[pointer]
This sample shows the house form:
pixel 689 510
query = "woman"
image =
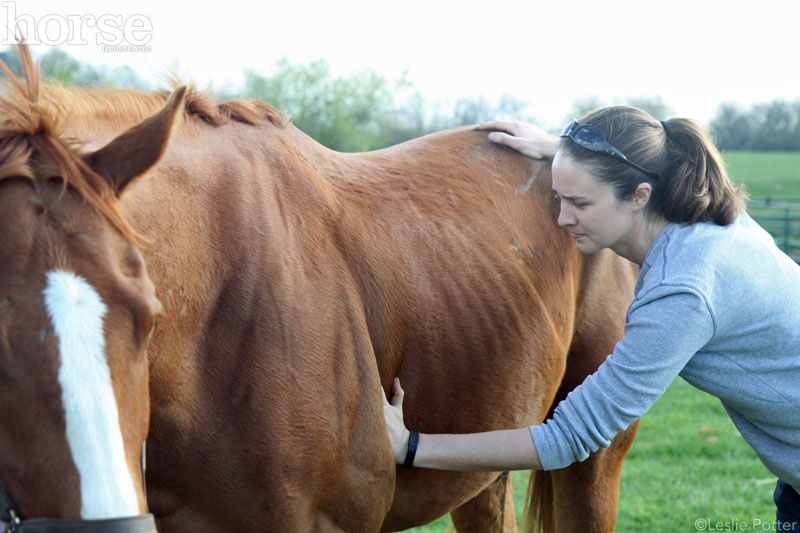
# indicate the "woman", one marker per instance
pixel 715 302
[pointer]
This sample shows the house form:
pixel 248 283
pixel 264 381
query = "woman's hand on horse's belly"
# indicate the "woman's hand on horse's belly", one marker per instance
pixel 527 139
pixel 393 414
pixel 510 449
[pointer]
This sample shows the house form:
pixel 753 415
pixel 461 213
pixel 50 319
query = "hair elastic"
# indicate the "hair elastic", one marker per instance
pixel 667 129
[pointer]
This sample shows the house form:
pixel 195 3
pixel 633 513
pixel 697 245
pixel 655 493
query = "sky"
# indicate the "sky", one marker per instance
pixel 694 54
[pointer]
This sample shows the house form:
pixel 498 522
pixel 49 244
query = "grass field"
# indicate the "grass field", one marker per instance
pixel 773 179
pixel 773 175
pixel 689 466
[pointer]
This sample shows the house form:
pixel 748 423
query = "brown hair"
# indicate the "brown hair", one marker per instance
pixel 693 185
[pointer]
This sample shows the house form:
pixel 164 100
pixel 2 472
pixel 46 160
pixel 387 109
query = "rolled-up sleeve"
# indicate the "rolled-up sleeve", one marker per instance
pixel 663 331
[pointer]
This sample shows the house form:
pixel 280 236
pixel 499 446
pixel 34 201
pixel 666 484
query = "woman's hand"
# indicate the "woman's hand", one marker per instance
pixel 525 138
pixel 393 414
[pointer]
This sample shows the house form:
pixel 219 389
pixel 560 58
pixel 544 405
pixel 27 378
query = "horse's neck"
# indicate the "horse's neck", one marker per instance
pixel 94 132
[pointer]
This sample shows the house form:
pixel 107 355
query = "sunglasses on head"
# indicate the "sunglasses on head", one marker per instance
pixel 593 139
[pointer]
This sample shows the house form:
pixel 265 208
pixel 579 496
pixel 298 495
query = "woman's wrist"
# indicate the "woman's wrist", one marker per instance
pixel 550 147
pixel 400 448
pixel 411 449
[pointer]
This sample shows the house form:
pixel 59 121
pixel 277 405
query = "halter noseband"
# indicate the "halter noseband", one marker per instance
pixel 11 521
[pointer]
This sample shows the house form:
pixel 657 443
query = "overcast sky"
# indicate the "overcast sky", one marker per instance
pixel 694 54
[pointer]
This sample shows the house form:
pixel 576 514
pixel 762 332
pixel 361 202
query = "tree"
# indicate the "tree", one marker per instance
pixel 776 120
pixel 795 135
pixel 732 128
pixel 764 126
pixel 347 113
pixel 467 111
pixel 582 106
pixel 364 111
pixel 654 105
pixel 476 110
pixel 59 66
pixel 11 59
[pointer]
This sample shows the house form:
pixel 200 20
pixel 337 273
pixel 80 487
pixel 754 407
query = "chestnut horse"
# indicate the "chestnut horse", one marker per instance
pixel 76 311
pixel 297 282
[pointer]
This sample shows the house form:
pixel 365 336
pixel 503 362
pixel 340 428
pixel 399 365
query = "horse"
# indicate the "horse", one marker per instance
pixel 298 281
pixel 76 310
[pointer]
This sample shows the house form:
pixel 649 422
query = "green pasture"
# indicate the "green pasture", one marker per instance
pixel 689 469
pixel 773 181
pixel 773 175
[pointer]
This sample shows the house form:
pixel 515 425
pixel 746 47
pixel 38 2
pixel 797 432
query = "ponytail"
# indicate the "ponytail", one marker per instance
pixel 696 186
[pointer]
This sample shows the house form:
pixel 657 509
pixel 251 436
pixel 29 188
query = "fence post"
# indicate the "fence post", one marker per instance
pixel 787 230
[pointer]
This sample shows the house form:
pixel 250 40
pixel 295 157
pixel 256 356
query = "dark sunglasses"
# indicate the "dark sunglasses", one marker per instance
pixel 593 139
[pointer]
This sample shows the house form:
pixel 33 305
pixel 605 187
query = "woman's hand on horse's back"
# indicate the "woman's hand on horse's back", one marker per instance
pixel 393 414
pixel 527 139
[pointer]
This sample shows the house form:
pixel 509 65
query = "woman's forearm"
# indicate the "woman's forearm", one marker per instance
pixel 510 449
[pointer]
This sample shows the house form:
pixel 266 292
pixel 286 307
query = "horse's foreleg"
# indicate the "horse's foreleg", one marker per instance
pixel 583 497
pixel 585 494
pixel 492 510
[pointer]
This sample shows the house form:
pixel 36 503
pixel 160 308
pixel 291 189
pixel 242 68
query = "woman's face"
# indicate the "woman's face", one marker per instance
pixel 595 217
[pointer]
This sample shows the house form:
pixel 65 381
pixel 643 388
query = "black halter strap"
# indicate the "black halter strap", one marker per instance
pixel 9 514
pixel 12 522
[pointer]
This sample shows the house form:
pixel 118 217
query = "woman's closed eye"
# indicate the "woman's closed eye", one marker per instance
pixel 577 204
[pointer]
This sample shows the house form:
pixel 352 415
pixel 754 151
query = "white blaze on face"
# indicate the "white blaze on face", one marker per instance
pixel 90 407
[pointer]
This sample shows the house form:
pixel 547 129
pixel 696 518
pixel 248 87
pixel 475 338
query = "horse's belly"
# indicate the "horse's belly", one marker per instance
pixel 422 495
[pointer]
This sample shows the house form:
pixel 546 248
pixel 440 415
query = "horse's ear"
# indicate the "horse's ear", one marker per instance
pixel 136 150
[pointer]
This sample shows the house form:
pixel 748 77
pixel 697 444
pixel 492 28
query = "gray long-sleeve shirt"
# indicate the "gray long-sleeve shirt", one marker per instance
pixel 718 305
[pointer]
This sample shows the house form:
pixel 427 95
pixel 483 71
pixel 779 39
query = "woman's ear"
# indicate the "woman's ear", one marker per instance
pixel 641 195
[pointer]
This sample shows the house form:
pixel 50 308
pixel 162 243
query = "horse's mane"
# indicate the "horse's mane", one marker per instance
pixel 31 139
pixel 122 106
pixel 33 119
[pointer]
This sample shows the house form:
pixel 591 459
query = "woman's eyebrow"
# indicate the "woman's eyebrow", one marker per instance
pixel 568 197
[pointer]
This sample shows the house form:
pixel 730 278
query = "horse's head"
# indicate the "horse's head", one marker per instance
pixel 76 312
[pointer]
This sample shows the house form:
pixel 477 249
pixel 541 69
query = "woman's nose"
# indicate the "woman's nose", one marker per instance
pixel 565 217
